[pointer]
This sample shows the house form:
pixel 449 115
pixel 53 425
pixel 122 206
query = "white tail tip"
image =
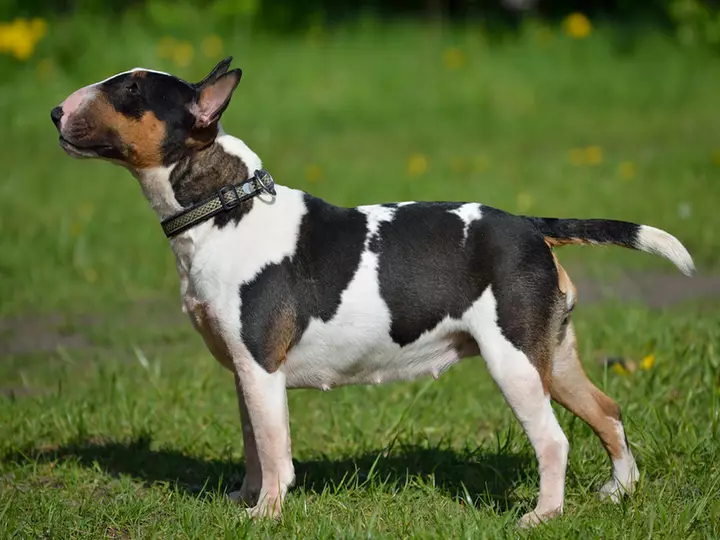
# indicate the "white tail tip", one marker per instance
pixel 666 245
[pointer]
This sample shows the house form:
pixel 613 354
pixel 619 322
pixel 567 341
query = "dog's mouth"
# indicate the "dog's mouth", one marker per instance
pixel 84 151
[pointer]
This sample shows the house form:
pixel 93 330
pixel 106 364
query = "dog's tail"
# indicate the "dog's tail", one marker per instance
pixel 561 232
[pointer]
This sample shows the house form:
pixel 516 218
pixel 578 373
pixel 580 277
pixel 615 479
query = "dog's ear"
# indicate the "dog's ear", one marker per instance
pixel 213 97
pixel 218 70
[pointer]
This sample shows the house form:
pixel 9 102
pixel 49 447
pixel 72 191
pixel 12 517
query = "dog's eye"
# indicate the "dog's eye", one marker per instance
pixel 132 88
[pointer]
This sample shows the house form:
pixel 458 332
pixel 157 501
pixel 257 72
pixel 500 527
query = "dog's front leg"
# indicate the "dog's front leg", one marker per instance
pixel 252 482
pixel 263 406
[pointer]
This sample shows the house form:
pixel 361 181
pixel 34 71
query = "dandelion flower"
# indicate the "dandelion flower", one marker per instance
pixel 577 26
pixel 453 58
pixel 594 155
pixel 183 54
pixel 648 362
pixel 619 369
pixel 417 165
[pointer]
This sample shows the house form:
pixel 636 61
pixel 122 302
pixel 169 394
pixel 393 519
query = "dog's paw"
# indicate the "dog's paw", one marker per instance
pixel 531 519
pixel 614 491
pixel 247 495
pixel 265 509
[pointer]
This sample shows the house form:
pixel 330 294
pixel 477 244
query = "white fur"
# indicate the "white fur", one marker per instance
pixel 625 471
pixel 468 212
pixel 666 245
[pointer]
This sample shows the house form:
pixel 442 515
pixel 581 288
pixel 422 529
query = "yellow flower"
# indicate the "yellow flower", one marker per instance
pixel 648 362
pixel 313 173
pixel 577 26
pixel 627 170
pixel 453 58
pixel 417 165
pixel 183 54
pixel 594 155
pixel 212 46
pixel 619 369
pixel 166 46
pixel 525 201
pixel 20 37
pixel 577 156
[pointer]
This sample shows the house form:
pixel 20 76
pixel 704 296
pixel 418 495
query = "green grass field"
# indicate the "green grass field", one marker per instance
pixel 114 420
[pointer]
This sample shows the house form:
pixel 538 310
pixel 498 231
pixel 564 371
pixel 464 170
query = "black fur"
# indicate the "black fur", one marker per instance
pixel 600 231
pixel 427 272
pixel 310 283
pixel 168 98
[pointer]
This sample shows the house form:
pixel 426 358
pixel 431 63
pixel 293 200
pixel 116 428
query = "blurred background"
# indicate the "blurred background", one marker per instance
pixel 114 417
pixel 565 108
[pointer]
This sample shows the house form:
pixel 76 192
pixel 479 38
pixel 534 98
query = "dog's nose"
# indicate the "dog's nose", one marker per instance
pixel 56 115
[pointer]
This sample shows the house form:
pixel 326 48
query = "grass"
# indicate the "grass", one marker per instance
pixel 130 429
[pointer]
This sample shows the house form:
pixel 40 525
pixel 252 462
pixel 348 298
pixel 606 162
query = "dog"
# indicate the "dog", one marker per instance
pixel 289 291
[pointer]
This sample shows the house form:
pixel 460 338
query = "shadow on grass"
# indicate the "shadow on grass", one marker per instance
pixel 487 477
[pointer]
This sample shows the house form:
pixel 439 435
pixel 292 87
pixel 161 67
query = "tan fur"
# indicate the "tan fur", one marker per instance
pixel 141 138
pixel 556 242
pixel 282 334
pixel 570 387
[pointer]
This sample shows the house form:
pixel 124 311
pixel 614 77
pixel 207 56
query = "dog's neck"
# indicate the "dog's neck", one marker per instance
pixel 197 176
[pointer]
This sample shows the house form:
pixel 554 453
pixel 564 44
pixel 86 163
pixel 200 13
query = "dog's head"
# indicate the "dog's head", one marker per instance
pixel 143 119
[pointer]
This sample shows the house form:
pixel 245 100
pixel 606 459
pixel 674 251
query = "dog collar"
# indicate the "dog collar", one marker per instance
pixel 224 200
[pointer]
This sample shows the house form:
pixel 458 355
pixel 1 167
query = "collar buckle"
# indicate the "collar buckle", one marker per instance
pixel 233 202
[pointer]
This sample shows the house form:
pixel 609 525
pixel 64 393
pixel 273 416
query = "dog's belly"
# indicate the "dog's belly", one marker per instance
pixel 322 362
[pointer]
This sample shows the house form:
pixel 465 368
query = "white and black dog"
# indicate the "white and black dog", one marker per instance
pixel 289 291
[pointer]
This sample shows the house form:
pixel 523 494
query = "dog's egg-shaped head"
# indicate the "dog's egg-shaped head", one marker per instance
pixel 143 118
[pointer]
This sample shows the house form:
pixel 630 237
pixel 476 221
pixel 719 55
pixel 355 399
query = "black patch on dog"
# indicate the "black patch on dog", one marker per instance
pixel 600 231
pixel 169 98
pixel 427 273
pixel 200 175
pixel 310 283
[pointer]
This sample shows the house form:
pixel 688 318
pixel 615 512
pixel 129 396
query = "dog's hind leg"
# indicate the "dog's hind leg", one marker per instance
pixel 519 379
pixel 570 387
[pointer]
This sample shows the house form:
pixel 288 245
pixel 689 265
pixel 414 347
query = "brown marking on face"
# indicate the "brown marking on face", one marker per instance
pixel 140 139
pixel 570 387
pixel 143 139
pixel 140 74
pixel 280 337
